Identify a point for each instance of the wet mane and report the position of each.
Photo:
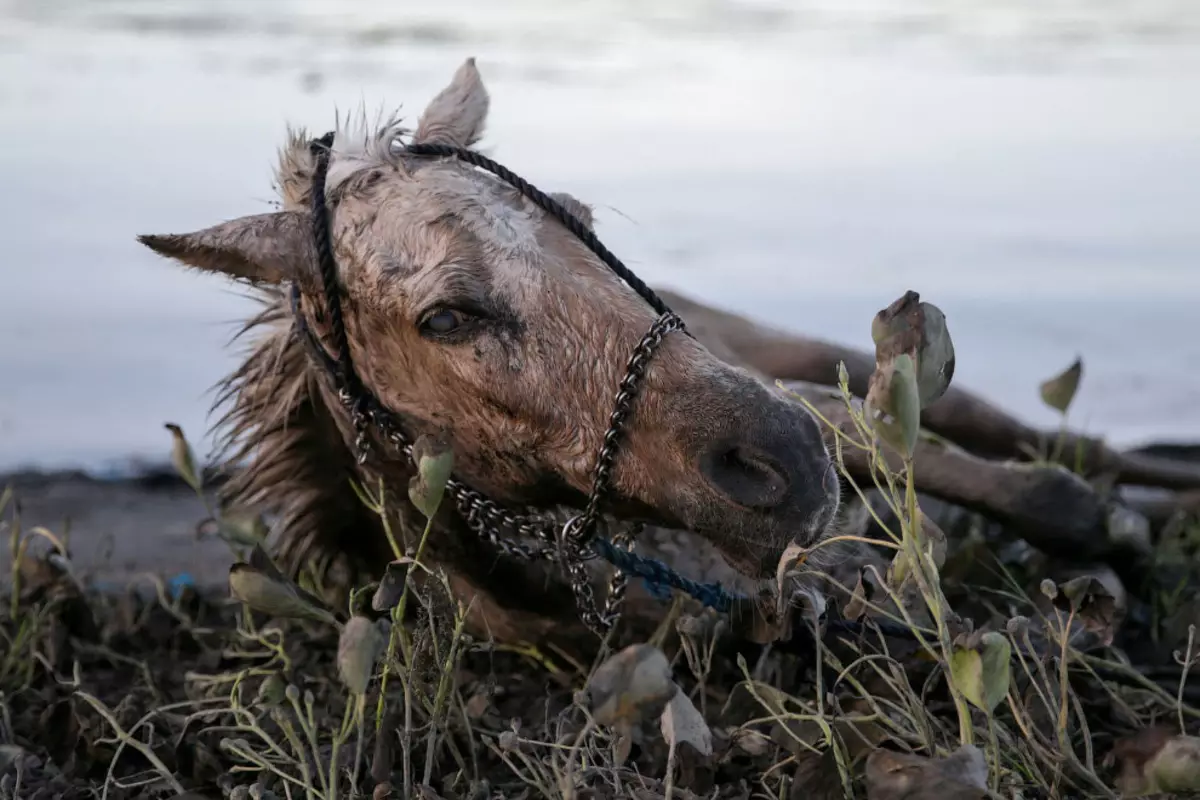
(280, 448)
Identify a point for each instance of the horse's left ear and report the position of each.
(457, 114)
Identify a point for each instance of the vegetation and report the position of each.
(995, 679)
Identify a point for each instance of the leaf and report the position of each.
(272, 691)
(1058, 392)
(631, 685)
(182, 458)
(933, 540)
(243, 528)
(359, 646)
(894, 405)
(980, 667)
(1091, 604)
(1156, 761)
(918, 329)
(681, 722)
(904, 776)
(761, 618)
(1176, 768)
(435, 463)
(936, 360)
(391, 587)
(272, 595)
(858, 605)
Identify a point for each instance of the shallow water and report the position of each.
(1036, 173)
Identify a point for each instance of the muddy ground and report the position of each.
(80, 669)
(121, 528)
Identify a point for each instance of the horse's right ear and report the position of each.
(262, 248)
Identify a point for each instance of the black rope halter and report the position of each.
(576, 542)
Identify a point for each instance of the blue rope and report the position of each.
(659, 577)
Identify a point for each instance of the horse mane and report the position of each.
(282, 454)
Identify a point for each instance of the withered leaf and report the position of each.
(858, 605)
(1155, 761)
(631, 685)
(681, 722)
(359, 647)
(1091, 603)
(918, 329)
(962, 775)
(1058, 392)
(391, 587)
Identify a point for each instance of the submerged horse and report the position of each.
(409, 292)
(471, 313)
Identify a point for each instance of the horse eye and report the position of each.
(443, 321)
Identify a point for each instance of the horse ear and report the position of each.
(577, 208)
(263, 248)
(457, 114)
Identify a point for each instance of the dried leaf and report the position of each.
(359, 646)
(794, 556)
(857, 607)
(271, 595)
(1092, 605)
(903, 776)
(391, 587)
(632, 684)
(622, 741)
(980, 667)
(477, 705)
(1058, 392)
(182, 458)
(918, 329)
(681, 722)
(435, 463)
(817, 776)
(751, 742)
(761, 618)
(1154, 761)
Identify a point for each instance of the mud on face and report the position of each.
(473, 313)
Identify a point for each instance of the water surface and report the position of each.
(1034, 170)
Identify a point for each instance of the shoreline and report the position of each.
(120, 528)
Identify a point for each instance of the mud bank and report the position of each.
(121, 528)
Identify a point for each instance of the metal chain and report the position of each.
(580, 530)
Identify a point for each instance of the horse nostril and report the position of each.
(746, 476)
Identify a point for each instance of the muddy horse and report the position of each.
(412, 287)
